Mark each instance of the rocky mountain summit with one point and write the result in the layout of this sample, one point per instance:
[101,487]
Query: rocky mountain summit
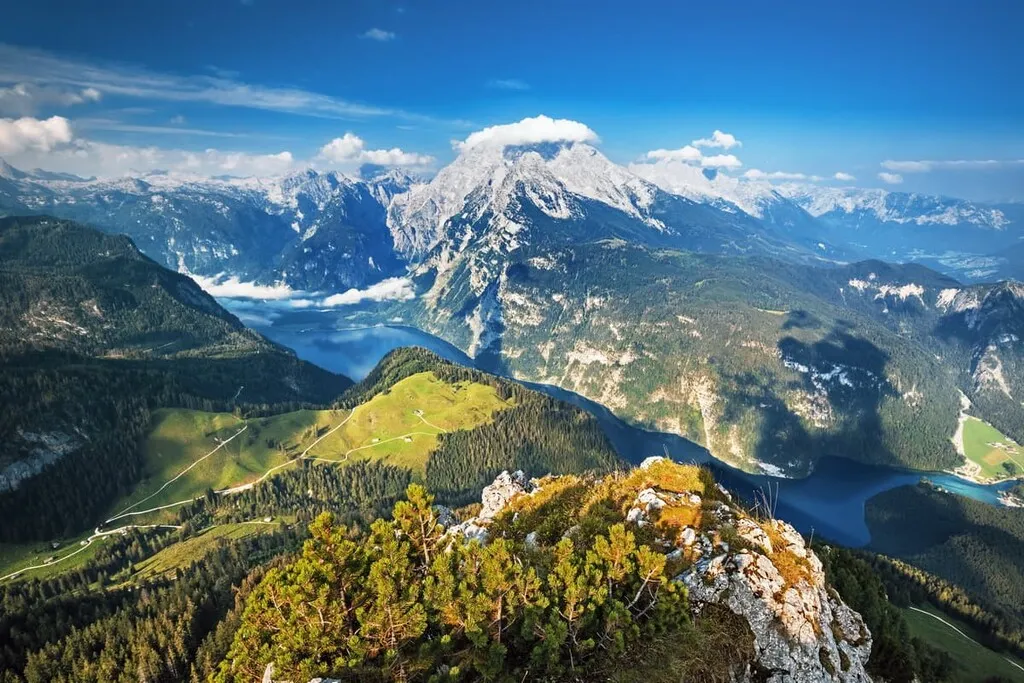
[655,574]
[760,569]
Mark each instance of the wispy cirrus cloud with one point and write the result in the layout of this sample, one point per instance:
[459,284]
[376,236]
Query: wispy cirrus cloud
[380,35]
[24,99]
[508,84]
[929,165]
[175,129]
[30,66]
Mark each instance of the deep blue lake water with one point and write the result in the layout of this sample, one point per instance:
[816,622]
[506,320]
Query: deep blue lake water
[830,502]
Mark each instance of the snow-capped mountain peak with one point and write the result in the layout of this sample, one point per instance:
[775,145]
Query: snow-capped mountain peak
[490,174]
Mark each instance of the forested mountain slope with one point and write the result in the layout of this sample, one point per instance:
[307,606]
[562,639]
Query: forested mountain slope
[768,364]
[415,418]
[94,335]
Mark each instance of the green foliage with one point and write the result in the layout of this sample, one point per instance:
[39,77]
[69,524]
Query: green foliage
[969,543]
[405,602]
[72,629]
[972,662]
[535,433]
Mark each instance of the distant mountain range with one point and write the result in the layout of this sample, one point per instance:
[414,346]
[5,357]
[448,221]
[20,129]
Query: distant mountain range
[685,299]
[325,231]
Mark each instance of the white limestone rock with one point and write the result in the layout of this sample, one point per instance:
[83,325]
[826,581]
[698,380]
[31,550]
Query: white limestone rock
[504,488]
[803,633]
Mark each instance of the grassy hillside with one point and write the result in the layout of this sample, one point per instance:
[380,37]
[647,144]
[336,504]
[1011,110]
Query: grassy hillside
[179,556]
[188,452]
[996,455]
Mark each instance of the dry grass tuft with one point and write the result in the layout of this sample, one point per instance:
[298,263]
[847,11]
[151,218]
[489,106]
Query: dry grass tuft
[669,476]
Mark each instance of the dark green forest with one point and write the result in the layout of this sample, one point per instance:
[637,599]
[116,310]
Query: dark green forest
[966,556]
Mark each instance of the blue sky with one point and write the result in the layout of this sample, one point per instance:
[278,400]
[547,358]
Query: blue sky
[810,88]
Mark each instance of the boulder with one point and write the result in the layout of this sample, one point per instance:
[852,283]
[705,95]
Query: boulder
[504,488]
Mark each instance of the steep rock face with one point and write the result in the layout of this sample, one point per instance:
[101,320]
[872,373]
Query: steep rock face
[802,631]
[761,570]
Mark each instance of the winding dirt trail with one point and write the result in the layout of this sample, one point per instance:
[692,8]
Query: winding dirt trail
[125,513]
[128,512]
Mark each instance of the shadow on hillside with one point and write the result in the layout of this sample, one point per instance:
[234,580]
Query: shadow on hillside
[801,320]
[847,370]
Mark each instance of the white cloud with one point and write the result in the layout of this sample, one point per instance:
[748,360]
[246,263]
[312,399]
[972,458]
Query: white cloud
[24,65]
[345,148]
[87,157]
[949,165]
[508,84]
[50,144]
[225,287]
[36,135]
[121,127]
[687,153]
[844,177]
[718,139]
[721,161]
[891,178]
[529,131]
[379,34]
[758,174]
[691,154]
[25,99]
[178,120]
[261,304]
[391,289]
[349,149]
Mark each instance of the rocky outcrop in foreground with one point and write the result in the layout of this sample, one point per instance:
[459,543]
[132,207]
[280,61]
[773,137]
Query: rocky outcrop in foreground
[761,570]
